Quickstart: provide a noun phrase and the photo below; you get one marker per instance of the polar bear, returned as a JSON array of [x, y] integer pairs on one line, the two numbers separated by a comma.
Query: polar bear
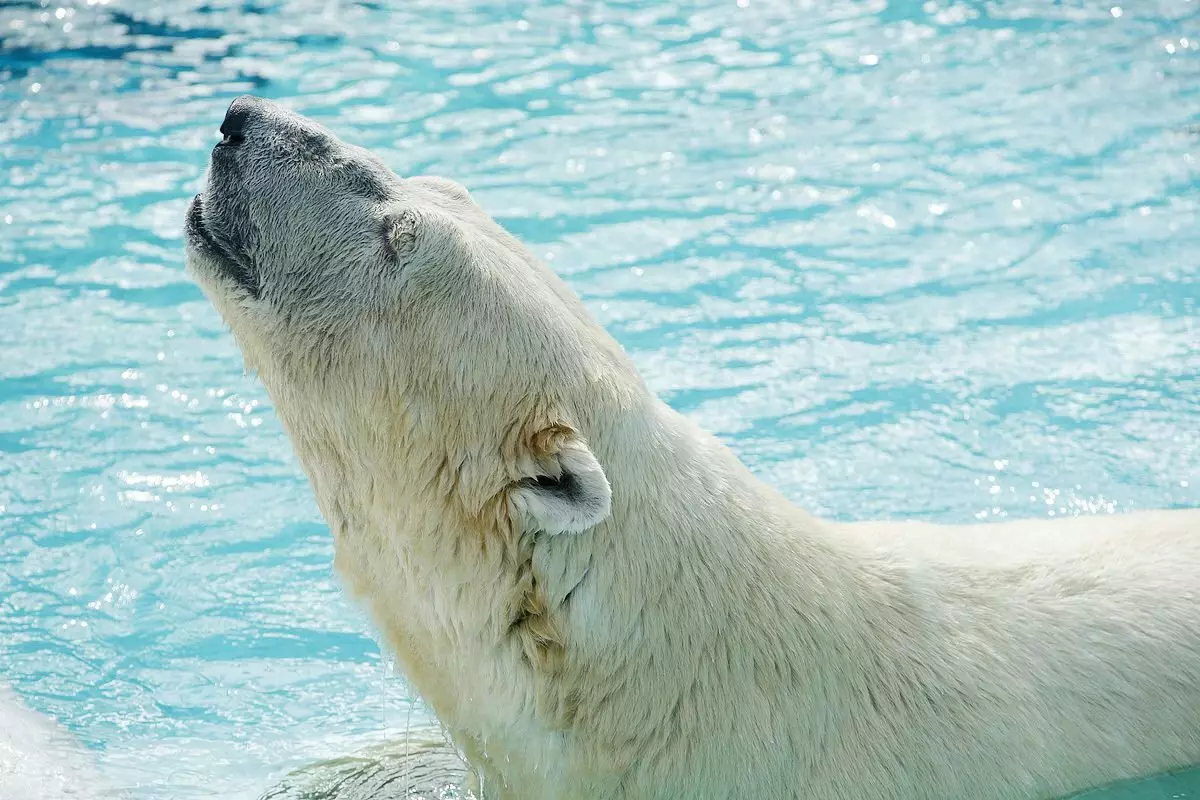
[[596, 598]]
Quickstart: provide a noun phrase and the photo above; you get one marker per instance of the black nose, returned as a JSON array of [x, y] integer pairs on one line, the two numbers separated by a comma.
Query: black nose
[[238, 116]]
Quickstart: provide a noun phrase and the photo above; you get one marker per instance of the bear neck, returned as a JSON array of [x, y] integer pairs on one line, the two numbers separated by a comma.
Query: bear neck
[[705, 578]]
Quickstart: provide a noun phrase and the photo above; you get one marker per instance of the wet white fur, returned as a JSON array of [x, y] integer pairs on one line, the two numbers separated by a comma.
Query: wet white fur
[[701, 636]]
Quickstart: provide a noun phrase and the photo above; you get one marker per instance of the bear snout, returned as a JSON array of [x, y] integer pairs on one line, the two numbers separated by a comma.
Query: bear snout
[[259, 131], [237, 117]]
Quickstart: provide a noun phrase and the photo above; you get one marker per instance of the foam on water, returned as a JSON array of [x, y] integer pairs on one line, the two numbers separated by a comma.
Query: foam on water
[[928, 260]]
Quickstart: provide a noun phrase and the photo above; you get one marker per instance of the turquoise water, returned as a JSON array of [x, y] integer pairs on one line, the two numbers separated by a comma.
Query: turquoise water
[[929, 260]]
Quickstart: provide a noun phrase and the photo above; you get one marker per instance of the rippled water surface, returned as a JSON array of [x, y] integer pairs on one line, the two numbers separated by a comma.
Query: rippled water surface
[[929, 260]]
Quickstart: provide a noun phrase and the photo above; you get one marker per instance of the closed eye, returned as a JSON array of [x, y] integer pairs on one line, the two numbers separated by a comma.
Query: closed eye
[[400, 234]]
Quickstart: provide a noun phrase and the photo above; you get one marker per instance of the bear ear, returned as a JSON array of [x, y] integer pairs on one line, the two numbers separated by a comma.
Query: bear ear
[[569, 495]]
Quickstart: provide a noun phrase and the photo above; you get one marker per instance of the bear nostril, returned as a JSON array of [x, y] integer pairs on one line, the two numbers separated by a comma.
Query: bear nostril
[[233, 128]]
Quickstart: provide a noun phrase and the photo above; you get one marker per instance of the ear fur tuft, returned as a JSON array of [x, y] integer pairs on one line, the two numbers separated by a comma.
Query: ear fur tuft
[[570, 499]]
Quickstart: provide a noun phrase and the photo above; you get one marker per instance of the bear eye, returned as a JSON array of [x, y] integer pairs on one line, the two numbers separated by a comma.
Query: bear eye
[[400, 233]]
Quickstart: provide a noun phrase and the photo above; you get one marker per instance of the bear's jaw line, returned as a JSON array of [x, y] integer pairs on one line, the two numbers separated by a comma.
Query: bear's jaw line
[[229, 264]]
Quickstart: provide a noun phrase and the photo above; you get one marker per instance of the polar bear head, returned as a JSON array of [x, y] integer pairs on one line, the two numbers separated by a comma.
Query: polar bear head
[[405, 338]]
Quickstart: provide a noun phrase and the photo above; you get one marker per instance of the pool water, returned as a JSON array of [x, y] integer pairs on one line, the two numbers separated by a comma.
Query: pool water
[[932, 260]]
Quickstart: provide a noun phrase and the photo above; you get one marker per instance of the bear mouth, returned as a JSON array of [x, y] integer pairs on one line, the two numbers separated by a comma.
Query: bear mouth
[[232, 264]]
